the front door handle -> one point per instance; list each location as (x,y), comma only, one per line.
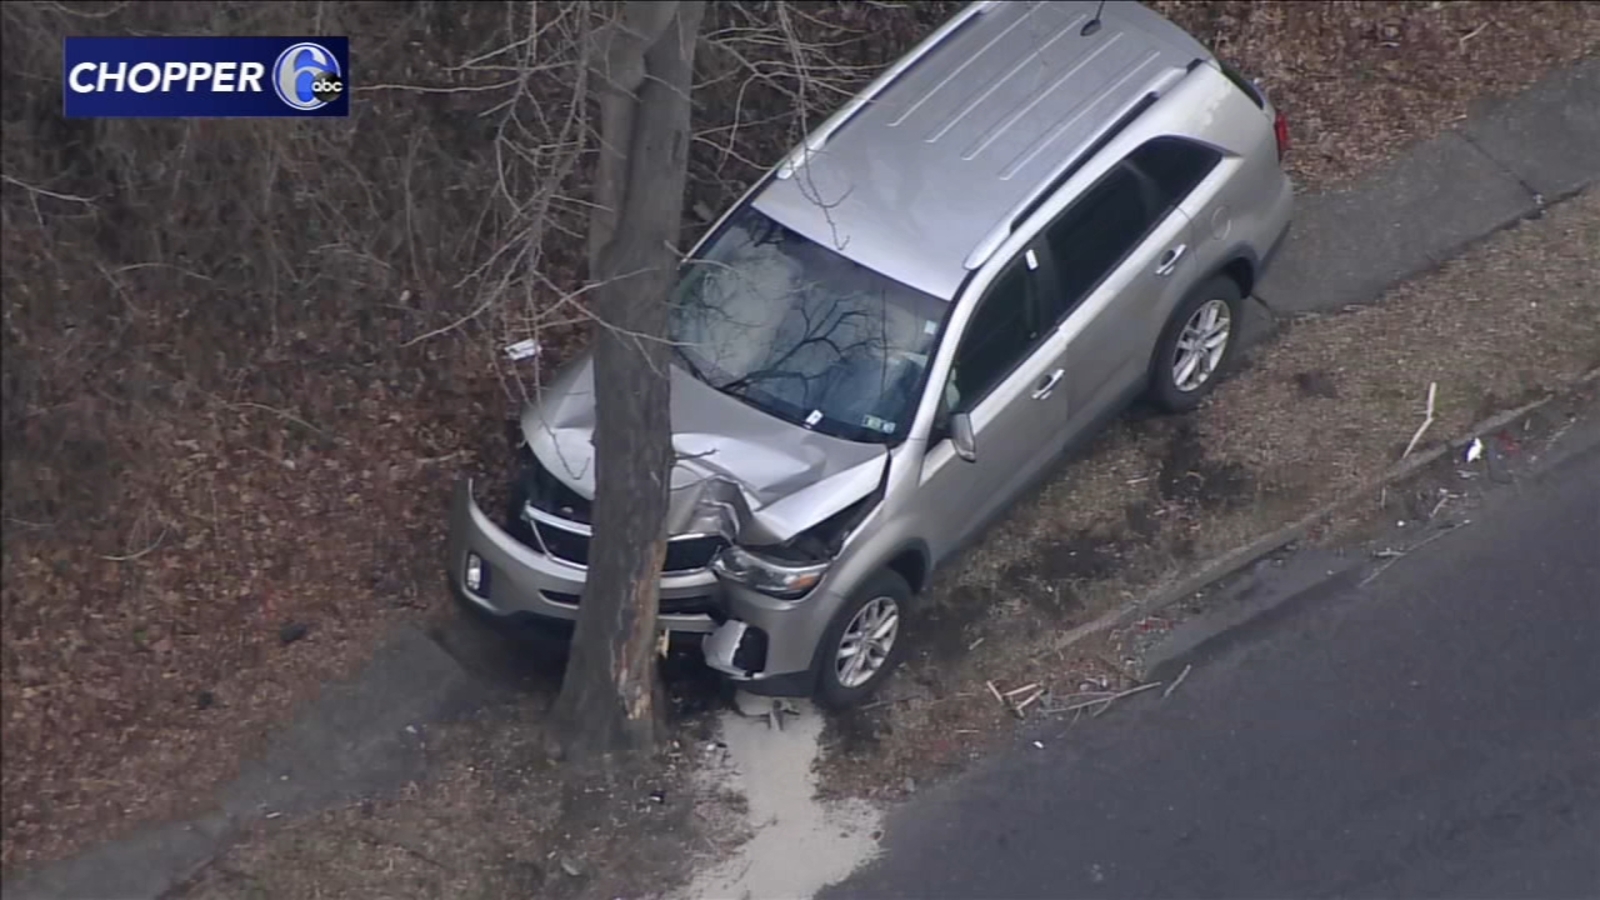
(1048,384)
(1169,259)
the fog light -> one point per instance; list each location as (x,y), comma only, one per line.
(474,572)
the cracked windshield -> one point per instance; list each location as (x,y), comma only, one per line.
(795,329)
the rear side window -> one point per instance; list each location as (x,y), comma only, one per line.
(1095,234)
(1243,84)
(1175,166)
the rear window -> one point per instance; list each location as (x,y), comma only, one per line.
(1244,84)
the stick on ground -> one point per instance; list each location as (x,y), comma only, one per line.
(1176,681)
(1395,557)
(1433,389)
(1108,700)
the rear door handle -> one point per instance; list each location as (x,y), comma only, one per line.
(1048,384)
(1169,259)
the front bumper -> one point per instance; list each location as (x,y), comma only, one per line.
(765,644)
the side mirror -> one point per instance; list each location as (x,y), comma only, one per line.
(962,438)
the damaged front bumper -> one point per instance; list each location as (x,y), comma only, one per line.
(765,644)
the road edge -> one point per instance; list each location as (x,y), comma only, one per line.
(1225,564)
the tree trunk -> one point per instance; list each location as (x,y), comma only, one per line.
(643,77)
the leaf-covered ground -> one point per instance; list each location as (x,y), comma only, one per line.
(227,454)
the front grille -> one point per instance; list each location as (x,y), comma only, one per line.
(563,544)
(703,604)
(537,487)
(690,553)
(547,493)
(685,554)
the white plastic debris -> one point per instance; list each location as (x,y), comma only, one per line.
(523,349)
(1038,744)
(1475,450)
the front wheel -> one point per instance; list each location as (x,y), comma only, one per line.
(1196,346)
(864,643)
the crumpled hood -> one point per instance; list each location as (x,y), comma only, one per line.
(741,473)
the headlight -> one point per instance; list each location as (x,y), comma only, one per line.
(784,579)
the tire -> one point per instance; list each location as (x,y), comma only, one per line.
(884,587)
(1165,389)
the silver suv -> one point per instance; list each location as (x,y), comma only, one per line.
(1041,212)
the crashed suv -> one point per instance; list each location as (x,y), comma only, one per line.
(1042,212)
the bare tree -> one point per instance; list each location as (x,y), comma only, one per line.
(642,77)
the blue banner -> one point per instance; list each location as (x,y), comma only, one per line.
(177,77)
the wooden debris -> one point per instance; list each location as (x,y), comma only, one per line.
(1433,390)
(1176,681)
(1105,702)
(1395,556)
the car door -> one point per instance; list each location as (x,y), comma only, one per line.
(1006,376)
(1120,260)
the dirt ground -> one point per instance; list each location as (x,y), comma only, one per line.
(1358,80)
(1318,411)
(227,452)
(497,817)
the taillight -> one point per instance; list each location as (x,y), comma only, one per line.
(1280,130)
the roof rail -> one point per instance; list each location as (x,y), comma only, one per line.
(992,241)
(817,139)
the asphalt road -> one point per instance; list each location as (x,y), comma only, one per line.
(1435,733)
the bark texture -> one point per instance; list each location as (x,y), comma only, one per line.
(644,62)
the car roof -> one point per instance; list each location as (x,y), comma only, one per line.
(915,173)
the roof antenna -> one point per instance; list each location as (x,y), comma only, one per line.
(1093,25)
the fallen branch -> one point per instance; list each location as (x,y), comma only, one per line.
(34,189)
(145,552)
(1027,701)
(1433,389)
(1108,700)
(1176,681)
(1395,556)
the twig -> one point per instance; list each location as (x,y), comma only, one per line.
(145,552)
(1100,694)
(1106,700)
(996,692)
(71,198)
(1438,506)
(1396,556)
(1021,690)
(1433,388)
(1462,45)
(1176,681)
(1110,700)
(1028,701)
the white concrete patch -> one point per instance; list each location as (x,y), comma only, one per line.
(799,845)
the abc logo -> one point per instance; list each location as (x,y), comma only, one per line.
(307,77)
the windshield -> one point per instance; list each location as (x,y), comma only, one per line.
(794,328)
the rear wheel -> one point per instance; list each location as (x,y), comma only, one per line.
(1197,345)
(864,643)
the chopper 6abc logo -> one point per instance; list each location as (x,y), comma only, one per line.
(307,77)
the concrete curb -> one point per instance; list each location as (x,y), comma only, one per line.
(1239,558)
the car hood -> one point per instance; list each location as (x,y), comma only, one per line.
(749,476)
